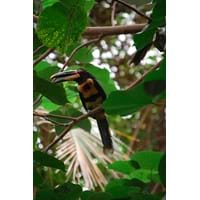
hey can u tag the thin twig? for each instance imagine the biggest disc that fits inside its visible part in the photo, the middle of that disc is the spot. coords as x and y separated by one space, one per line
143 75
42 114
133 8
56 123
35 18
44 55
79 47
113 13
70 125
36 50
37 100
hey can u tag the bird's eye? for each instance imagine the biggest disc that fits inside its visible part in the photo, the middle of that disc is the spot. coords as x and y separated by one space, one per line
90 82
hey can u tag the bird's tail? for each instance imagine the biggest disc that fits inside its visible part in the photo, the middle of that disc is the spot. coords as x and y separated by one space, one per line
105 134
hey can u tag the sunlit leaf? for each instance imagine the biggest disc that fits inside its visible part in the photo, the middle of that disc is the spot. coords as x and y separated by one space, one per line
61 24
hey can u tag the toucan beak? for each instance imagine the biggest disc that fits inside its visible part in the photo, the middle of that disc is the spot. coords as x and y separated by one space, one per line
64 76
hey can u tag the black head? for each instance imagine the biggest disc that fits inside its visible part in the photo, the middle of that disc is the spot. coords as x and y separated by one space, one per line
75 75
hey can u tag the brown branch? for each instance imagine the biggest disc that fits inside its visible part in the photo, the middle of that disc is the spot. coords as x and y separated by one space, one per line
70 125
113 13
113 30
79 47
110 30
42 114
133 8
35 18
44 55
36 50
143 75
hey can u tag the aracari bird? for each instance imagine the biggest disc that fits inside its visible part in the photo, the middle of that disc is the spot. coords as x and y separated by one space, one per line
91 95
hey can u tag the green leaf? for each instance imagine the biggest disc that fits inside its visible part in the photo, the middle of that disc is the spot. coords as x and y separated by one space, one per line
84 55
89 5
37 44
127 101
143 39
122 166
46 160
68 191
46 194
158 20
45 70
124 102
143 196
37 179
53 92
61 25
90 195
145 175
49 105
47 3
148 159
120 188
162 169
159 74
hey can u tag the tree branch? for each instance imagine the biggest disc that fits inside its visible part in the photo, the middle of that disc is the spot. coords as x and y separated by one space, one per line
113 30
143 75
79 47
113 13
36 50
42 114
70 125
44 55
110 30
133 8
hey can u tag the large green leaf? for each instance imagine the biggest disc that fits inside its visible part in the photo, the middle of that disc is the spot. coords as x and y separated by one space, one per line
121 188
90 195
37 179
158 20
46 70
53 92
127 101
124 102
49 105
61 25
44 159
162 169
47 3
122 166
67 191
37 44
148 159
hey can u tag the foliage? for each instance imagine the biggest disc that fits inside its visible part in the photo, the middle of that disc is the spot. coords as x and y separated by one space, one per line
76 168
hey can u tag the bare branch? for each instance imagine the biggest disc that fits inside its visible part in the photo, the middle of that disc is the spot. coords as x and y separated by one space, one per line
44 55
142 77
70 125
113 13
42 114
110 30
79 47
133 8
113 30
36 50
